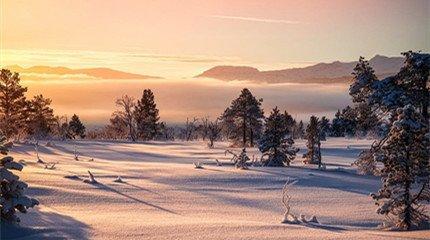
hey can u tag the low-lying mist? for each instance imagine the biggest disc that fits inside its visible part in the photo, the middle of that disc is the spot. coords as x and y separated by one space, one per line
94 100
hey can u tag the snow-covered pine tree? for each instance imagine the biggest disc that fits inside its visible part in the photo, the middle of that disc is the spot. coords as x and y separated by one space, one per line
76 127
275 143
146 116
405 155
12 196
12 103
402 101
313 155
367 120
243 119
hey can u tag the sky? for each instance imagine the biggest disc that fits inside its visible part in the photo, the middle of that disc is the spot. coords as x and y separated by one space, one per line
179 39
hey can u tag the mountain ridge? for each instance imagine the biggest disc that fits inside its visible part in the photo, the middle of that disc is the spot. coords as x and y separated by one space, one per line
100 72
334 72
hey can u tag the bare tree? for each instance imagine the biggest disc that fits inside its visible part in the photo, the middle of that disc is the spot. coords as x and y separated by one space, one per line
127 104
190 128
214 132
204 128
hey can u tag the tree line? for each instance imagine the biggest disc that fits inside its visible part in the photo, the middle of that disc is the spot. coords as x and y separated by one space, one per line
31 118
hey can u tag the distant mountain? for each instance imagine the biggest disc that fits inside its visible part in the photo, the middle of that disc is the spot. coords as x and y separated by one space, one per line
102 73
335 72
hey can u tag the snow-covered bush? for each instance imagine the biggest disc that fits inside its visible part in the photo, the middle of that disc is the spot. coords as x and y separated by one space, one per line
12 196
240 161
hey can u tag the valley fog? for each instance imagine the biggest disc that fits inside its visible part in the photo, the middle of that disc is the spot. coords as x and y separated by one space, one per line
94 100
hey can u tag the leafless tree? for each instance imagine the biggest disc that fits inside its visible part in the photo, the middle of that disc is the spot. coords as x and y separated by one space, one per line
127 104
190 128
204 127
214 132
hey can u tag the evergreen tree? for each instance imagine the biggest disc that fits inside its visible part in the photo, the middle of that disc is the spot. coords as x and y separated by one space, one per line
405 155
324 125
146 116
337 125
290 122
367 121
12 196
275 143
300 130
364 78
12 103
40 117
402 101
313 156
349 121
243 119
76 127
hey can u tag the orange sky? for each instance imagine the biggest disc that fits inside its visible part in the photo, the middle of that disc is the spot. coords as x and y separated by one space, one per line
192 34
179 39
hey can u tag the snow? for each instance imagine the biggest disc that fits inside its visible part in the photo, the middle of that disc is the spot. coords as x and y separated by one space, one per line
163 196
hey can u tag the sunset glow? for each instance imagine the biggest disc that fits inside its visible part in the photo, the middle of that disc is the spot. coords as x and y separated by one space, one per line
178 40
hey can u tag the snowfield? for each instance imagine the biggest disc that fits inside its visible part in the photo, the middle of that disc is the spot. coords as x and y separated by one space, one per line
164 197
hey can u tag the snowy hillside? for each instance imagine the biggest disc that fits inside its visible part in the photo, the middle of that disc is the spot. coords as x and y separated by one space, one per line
163 196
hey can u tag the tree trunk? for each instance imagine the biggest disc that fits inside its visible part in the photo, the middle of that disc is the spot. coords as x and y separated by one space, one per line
251 136
408 208
244 132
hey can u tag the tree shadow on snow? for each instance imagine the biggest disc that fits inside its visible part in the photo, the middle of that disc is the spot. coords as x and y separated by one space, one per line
110 189
45 225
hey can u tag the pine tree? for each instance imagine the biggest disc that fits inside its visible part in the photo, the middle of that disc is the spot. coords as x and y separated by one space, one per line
405 155
367 121
76 127
275 143
337 126
12 196
364 78
12 103
349 121
324 125
402 102
146 116
40 117
300 130
313 156
243 119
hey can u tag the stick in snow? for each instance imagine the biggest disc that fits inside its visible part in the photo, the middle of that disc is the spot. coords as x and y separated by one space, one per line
91 179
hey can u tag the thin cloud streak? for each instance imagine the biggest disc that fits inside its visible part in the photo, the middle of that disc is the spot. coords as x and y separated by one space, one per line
252 19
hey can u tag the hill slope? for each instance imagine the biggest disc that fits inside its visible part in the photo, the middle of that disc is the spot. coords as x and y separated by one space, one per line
102 73
335 72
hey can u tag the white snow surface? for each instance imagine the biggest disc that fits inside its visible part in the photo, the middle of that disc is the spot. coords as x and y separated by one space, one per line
163 196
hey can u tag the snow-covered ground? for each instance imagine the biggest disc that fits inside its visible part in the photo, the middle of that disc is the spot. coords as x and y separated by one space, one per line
164 197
